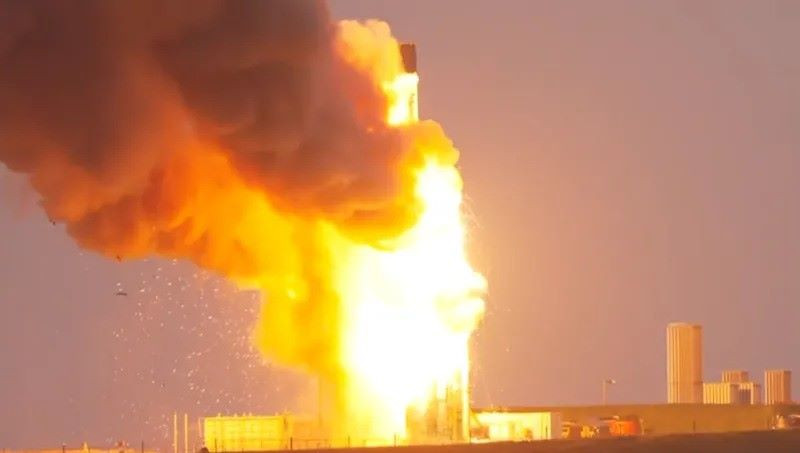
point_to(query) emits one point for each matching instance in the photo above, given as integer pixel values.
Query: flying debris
(121, 293)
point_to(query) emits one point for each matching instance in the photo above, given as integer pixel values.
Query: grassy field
(760, 441)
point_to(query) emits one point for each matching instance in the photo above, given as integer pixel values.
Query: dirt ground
(761, 441)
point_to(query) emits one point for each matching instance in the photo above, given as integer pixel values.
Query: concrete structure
(721, 393)
(684, 363)
(499, 426)
(777, 387)
(749, 393)
(727, 392)
(259, 433)
(735, 376)
(661, 419)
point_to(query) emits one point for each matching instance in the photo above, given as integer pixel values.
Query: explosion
(267, 143)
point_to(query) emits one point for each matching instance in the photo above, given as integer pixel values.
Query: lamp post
(606, 383)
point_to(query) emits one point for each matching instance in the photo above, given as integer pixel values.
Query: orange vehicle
(617, 426)
(625, 426)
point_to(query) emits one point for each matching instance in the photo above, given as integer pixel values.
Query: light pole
(606, 383)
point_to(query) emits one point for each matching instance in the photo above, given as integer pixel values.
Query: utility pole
(606, 383)
(185, 432)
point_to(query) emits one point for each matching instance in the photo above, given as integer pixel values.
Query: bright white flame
(410, 310)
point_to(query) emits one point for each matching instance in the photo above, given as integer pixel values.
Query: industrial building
(258, 433)
(735, 388)
(721, 393)
(733, 404)
(777, 387)
(503, 426)
(660, 419)
(750, 392)
(684, 363)
(735, 376)
(685, 375)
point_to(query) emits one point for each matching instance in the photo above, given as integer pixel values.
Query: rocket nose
(408, 52)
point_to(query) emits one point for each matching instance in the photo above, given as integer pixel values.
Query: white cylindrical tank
(777, 386)
(735, 376)
(684, 363)
(722, 393)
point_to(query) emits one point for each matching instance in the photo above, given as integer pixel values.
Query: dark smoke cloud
(97, 98)
(236, 134)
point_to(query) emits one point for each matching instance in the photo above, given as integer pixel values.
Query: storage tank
(777, 386)
(735, 376)
(750, 393)
(721, 393)
(261, 432)
(684, 363)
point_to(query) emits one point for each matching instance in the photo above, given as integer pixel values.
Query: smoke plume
(98, 99)
(246, 136)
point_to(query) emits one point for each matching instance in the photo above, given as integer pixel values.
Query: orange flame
(250, 139)
(407, 311)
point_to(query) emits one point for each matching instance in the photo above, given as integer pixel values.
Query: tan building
(503, 426)
(777, 387)
(234, 434)
(721, 393)
(684, 363)
(749, 392)
(735, 376)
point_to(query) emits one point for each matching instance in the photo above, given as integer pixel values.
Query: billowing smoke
(96, 98)
(247, 136)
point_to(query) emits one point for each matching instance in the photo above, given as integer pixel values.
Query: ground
(758, 441)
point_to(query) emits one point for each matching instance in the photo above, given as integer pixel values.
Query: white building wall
(721, 393)
(777, 386)
(520, 426)
(750, 393)
(735, 376)
(684, 363)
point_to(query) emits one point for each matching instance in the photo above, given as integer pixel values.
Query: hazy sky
(627, 164)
